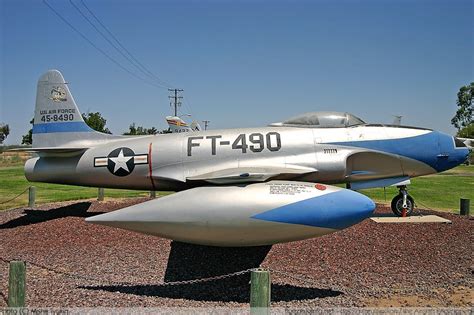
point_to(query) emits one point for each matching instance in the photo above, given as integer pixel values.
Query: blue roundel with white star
(121, 161)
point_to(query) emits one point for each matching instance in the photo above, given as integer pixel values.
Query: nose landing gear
(402, 202)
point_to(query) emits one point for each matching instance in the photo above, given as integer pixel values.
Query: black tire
(397, 203)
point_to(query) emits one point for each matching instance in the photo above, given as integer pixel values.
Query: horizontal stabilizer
(50, 150)
(53, 151)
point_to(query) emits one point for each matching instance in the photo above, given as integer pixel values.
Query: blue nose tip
(336, 210)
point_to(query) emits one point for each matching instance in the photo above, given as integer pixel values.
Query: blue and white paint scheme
(266, 213)
(224, 178)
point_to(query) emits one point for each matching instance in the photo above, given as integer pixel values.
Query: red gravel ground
(74, 264)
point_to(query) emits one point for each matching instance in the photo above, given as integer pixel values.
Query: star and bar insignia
(121, 161)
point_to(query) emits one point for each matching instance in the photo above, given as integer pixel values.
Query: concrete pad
(411, 219)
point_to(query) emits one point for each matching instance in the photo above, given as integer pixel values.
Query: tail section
(58, 123)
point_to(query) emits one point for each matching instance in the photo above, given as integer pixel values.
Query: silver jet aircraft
(237, 187)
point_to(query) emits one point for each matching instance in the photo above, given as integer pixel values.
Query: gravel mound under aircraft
(237, 187)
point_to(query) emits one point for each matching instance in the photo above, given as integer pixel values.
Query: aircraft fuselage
(176, 161)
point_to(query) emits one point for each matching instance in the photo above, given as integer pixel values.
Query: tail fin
(58, 122)
(195, 126)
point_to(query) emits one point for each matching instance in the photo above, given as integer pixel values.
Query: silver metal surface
(322, 147)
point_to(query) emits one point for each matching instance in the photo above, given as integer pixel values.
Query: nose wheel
(403, 201)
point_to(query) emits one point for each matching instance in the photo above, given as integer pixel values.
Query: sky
(242, 63)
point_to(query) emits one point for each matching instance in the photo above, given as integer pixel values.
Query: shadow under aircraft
(38, 216)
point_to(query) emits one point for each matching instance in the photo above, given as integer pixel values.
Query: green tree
(467, 132)
(28, 138)
(4, 132)
(96, 122)
(463, 117)
(133, 130)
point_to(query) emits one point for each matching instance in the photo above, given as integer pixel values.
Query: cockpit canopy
(321, 120)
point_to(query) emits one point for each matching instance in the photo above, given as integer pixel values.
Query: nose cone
(337, 210)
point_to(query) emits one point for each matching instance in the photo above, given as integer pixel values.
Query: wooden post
(260, 291)
(17, 284)
(464, 206)
(152, 194)
(100, 194)
(31, 196)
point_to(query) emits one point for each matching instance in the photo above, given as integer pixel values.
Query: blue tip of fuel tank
(337, 210)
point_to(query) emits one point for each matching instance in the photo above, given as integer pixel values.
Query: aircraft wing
(363, 168)
(251, 174)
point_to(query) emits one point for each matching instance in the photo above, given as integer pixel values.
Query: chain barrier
(201, 280)
(299, 277)
(424, 206)
(9, 200)
(113, 282)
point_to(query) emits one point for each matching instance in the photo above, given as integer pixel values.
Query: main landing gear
(403, 202)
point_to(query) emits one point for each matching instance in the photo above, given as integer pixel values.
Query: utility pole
(175, 99)
(206, 123)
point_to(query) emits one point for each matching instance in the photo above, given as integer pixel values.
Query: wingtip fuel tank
(248, 215)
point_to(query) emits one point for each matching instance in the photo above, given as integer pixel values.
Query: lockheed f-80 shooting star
(237, 187)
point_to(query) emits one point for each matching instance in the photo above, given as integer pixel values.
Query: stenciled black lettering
(271, 145)
(240, 143)
(213, 143)
(256, 138)
(191, 144)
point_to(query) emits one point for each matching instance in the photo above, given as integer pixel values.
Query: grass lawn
(13, 182)
(440, 191)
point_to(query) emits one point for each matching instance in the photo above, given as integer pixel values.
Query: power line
(106, 38)
(187, 104)
(136, 62)
(99, 49)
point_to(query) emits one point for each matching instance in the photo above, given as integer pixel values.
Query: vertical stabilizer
(58, 121)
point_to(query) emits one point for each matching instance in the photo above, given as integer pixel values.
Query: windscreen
(323, 120)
